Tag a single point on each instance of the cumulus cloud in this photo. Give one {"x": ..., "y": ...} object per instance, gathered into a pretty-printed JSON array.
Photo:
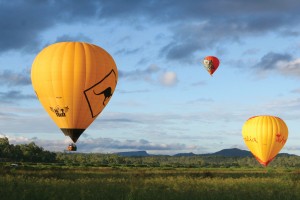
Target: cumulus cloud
[
  {"x": 177, "y": 10},
  {"x": 133, "y": 91},
  {"x": 286, "y": 107},
  {"x": 127, "y": 51},
  {"x": 199, "y": 83},
  {"x": 150, "y": 74},
  {"x": 291, "y": 68},
  {"x": 201, "y": 100},
  {"x": 140, "y": 74},
  {"x": 226, "y": 26},
  {"x": 11, "y": 78},
  {"x": 271, "y": 60},
  {"x": 281, "y": 63},
  {"x": 24, "y": 21},
  {"x": 296, "y": 90},
  {"x": 251, "y": 51},
  {"x": 16, "y": 140},
  {"x": 117, "y": 145},
  {"x": 102, "y": 145},
  {"x": 169, "y": 78},
  {"x": 50, "y": 145},
  {"x": 78, "y": 37},
  {"x": 14, "y": 95}
]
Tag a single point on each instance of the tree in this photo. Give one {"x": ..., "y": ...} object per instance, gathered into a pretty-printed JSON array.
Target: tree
[{"x": 4, "y": 147}]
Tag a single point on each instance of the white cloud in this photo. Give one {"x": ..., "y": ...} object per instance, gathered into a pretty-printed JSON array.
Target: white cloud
[
  {"x": 169, "y": 78},
  {"x": 296, "y": 90},
  {"x": 140, "y": 74},
  {"x": 104, "y": 145},
  {"x": 279, "y": 62},
  {"x": 289, "y": 68}
]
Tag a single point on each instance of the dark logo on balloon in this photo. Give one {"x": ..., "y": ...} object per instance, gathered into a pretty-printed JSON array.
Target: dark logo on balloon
[
  {"x": 60, "y": 112},
  {"x": 99, "y": 94},
  {"x": 250, "y": 139},
  {"x": 209, "y": 65},
  {"x": 280, "y": 138},
  {"x": 107, "y": 94}
]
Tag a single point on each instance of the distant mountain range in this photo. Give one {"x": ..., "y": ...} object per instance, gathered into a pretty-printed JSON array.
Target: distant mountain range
[
  {"x": 133, "y": 153},
  {"x": 234, "y": 152}
]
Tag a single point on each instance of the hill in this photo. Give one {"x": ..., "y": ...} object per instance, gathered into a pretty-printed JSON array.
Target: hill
[
  {"x": 234, "y": 152},
  {"x": 133, "y": 154},
  {"x": 225, "y": 152},
  {"x": 185, "y": 154}
]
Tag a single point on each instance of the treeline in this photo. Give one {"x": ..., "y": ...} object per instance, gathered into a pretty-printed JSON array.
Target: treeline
[
  {"x": 24, "y": 152},
  {"x": 93, "y": 159},
  {"x": 32, "y": 153}
]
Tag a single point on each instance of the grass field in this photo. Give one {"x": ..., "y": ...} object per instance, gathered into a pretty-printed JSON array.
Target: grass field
[{"x": 53, "y": 182}]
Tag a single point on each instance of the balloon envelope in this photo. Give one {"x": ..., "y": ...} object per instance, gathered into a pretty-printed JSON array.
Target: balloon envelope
[
  {"x": 211, "y": 63},
  {"x": 74, "y": 81},
  {"x": 265, "y": 136}
]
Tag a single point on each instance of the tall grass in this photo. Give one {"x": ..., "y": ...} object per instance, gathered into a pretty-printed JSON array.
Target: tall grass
[{"x": 147, "y": 184}]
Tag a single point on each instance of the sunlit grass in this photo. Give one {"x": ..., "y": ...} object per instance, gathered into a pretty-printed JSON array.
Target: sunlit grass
[{"x": 148, "y": 183}]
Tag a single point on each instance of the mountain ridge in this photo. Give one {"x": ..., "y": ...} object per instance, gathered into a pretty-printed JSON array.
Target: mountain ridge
[{"x": 232, "y": 152}]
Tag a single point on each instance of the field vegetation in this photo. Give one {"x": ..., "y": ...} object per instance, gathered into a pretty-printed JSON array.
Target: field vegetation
[
  {"x": 39, "y": 174},
  {"x": 67, "y": 182}
]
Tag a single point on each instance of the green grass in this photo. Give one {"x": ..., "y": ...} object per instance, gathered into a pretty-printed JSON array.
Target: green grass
[{"x": 53, "y": 182}]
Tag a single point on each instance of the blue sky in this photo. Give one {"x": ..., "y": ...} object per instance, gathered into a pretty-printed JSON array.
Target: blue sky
[{"x": 165, "y": 101}]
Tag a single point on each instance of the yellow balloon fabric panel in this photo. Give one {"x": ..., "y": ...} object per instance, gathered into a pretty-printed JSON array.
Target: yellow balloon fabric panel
[
  {"x": 265, "y": 136},
  {"x": 74, "y": 81}
]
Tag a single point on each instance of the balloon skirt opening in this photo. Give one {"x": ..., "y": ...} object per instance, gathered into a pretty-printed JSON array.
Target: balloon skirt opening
[
  {"x": 265, "y": 164},
  {"x": 73, "y": 133}
]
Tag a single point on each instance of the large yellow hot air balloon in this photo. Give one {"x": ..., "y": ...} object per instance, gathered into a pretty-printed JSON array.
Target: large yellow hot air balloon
[
  {"x": 265, "y": 136},
  {"x": 74, "y": 81}
]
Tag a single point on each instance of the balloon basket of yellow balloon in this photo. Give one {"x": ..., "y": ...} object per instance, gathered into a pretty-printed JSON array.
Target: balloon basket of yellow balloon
[{"x": 72, "y": 147}]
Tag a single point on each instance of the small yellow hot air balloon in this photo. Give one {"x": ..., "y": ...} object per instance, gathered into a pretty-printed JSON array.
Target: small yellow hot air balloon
[
  {"x": 74, "y": 81},
  {"x": 265, "y": 136}
]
